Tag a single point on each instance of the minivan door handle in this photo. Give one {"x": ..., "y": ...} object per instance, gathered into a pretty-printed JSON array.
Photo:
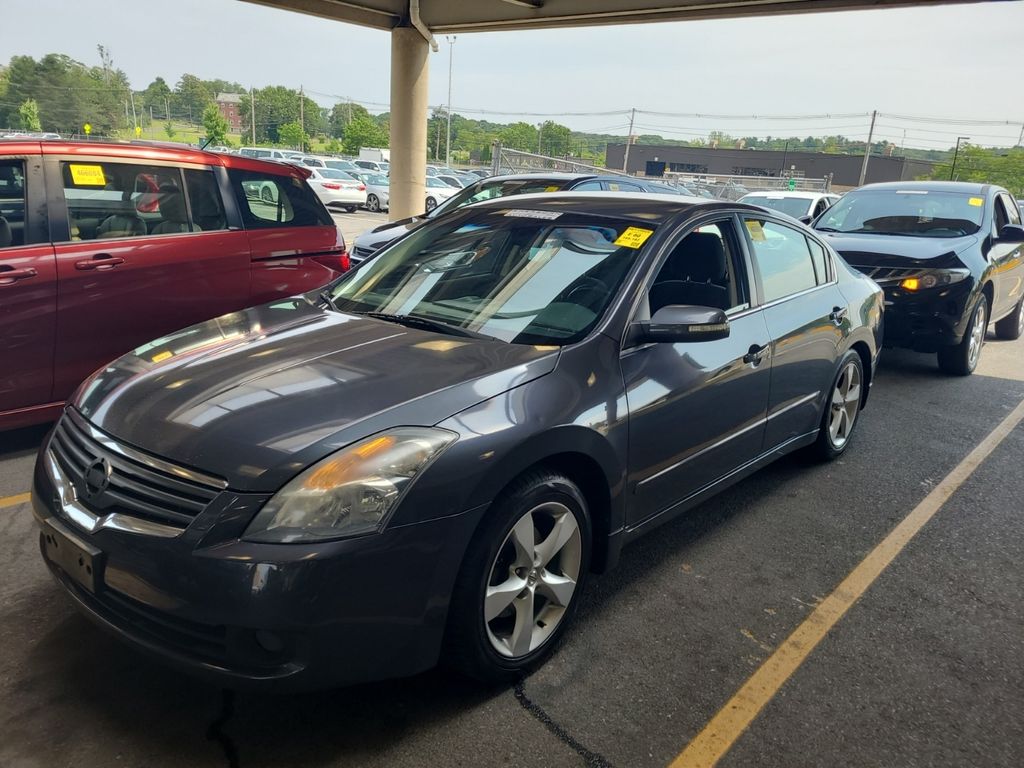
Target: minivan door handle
[
  {"x": 838, "y": 315},
  {"x": 10, "y": 275},
  {"x": 99, "y": 261},
  {"x": 755, "y": 354}
]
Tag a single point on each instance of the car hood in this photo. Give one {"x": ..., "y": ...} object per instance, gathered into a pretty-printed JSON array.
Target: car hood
[
  {"x": 380, "y": 236},
  {"x": 898, "y": 251},
  {"x": 257, "y": 395}
]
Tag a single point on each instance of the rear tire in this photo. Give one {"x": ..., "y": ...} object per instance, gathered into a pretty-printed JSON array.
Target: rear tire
[
  {"x": 431, "y": 204},
  {"x": 350, "y": 209},
  {"x": 1011, "y": 327},
  {"x": 842, "y": 409},
  {"x": 961, "y": 359},
  {"x": 519, "y": 585}
]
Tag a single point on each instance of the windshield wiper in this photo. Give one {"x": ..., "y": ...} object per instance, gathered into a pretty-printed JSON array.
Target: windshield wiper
[
  {"x": 427, "y": 324},
  {"x": 827, "y": 229},
  {"x": 329, "y": 300}
]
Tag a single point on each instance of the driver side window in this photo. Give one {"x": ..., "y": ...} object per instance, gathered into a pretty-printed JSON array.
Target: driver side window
[{"x": 703, "y": 269}]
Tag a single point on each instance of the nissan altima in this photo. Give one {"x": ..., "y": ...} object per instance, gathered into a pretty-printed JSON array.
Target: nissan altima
[{"x": 426, "y": 460}]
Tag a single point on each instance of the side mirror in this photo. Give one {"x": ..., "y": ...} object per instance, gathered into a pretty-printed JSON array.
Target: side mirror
[
  {"x": 1012, "y": 233},
  {"x": 806, "y": 219},
  {"x": 684, "y": 323}
]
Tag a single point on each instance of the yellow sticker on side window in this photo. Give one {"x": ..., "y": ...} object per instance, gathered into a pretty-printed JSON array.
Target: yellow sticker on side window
[
  {"x": 755, "y": 230},
  {"x": 977, "y": 202},
  {"x": 87, "y": 175},
  {"x": 552, "y": 189},
  {"x": 633, "y": 237}
]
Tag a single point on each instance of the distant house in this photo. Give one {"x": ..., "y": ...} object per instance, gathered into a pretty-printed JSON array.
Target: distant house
[{"x": 228, "y": 104}]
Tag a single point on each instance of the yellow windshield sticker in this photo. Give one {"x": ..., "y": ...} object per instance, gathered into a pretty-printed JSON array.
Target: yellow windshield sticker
[
  {"x": 161, "y": 356},
  {"x": 552, "y": 188},
  {"x": 634, "y": 237},
  {"x": 977, "y": 202},
  {"x": 756, "y": 232},
  {"x": 87, "y": 175}
]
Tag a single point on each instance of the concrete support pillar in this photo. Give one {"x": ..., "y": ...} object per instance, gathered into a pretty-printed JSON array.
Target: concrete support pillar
[{"x": 409, "y": 70}]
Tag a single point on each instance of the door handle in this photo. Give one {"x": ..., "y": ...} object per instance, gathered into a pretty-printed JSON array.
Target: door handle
[
  {"x": 755, "y": 354},
  {"x": 99, "y": 261},
  {"x": 10, "y": 275},
  {"x": 838, "y": 315}
]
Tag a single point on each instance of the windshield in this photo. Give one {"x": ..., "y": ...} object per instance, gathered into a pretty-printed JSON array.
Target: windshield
[
  {"x": 791, "y": 206},
  {"x": 330, "y": 173},
  {"x": 377, "y": 179},
  {"x": 914, "y": 213},
  {"x": 522, "y": 276},
  {"x": 340, "y": 165},
  {"x": 489, "y": 189},
  {"x": 433, "y": 181}
]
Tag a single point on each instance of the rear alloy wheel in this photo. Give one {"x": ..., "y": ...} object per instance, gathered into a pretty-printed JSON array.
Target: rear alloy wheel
[
  {"x": 372, "y": 204},
  {"x": 518, "y": 588},
  {"x": 431, "y": 204},
  {"x": 962, "y": 359},
  {"x": 1012, "y": 326},
  {"x": 267, "y": 194},
  {"x": 841, "y": 409}
]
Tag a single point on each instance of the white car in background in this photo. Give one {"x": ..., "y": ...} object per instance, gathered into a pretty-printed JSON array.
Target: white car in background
[
  {"x": 326, "y": 161},
  {"x": 438, "y": 192},
  {"x": 377, "y": 195},
  {"x": 802, "y": 206},
  {"x": 337, "y": 189}
]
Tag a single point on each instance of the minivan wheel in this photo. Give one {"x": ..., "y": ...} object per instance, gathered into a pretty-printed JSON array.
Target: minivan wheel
[
  {"x": 372, "y": 203},
  {"x": 519, "y": 584},
  {"x": 1012, "y": 326},
  {"x": 841, "y": 409},
  {"x": 266, "y": 195},
  {"x": 961, "y": 359}
]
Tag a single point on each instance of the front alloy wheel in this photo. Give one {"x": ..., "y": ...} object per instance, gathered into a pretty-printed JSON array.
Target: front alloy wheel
[
  {"x": 372, "y": 204},
  {"x": 962, "y": 359}
]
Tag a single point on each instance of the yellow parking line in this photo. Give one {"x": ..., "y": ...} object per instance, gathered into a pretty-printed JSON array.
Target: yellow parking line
[
  {"x": 10, "y": 501},
  {"x": 718, "y": 736}
]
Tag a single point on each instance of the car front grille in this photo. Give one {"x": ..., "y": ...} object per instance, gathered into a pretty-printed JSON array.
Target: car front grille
[
  {"x": 887, "y": 274},
  {"x": 137, "y": 485},
  {"x": 361, "y": 254}
]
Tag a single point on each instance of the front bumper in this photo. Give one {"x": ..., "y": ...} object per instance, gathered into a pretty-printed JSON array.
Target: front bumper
[
  {"x": 930, "y": 319},
  {"x": 246, "y": 615}
]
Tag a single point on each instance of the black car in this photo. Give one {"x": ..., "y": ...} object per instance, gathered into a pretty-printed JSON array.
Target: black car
[
  {"x": 427, "y": 459},
  {"x": 501, "y": 186},
  {"x": 950, "y": 256}
]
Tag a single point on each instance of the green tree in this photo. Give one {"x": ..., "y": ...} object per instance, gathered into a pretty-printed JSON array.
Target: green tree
[
  {"x": 191, "y": 97},
  {"x": 29, "y": 114},
  {"x": 292, "y": 135},
  {"x": 363, "y": 132},
  {"x": 341, "y": 115},
  {"x": 169, "y": 130},
  {"x": 521, "y": 136},
  {"x": 156, "y": 96},
  {"x": 1004, "y": 167},
  {"x": 215, "y": 124},
  {"x": 555, "y": 139},
  {"x": 276, "y": 106}
]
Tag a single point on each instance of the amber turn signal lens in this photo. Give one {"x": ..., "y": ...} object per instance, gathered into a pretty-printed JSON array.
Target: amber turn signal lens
[{"x": 910, "y": 284}]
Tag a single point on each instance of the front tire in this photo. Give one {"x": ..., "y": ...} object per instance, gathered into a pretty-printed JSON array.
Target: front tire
[
  {"x": 520, "y": 582},
  {"x": 373, "y": 204},
  {"x": 1011, "y": 327},
  {"x": 961, "y": 359},
  {"x": 350, "y": 209},
  {"x": 841, "y": 409}
]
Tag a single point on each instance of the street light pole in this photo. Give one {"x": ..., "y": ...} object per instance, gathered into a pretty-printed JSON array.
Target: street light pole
[
  {"x": 540, "y": 135},
  {"x": 448, "y": 139},
  {"x": 955, "y": 153}
]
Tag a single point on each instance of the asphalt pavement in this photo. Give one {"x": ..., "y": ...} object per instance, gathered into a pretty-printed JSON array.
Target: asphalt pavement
[{"x": 926, "y": 668}]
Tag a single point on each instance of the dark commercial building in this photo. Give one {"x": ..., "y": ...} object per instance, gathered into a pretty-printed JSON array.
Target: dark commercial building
[{"x": 657, "y": 160}]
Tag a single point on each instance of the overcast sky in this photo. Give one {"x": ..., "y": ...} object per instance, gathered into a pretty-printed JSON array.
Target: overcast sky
[{"x": 959, "y": 61}]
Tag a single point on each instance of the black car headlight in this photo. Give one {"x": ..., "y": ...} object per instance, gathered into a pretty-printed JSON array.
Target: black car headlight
[
  {"x": 933, "y": 278},
  {"x": 351, "y": 492}
]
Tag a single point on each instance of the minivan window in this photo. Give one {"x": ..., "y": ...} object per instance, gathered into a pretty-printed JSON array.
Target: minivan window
[
  {"x": 204, "y": 197},
  {"x": 269, "y": 200},
  {"x": 12, "y": 203},
  {"x": 522, "y": 276},
  {"x": 783, "y": 258}
]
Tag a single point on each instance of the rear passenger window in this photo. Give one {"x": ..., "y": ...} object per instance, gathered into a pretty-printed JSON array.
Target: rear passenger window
[
  {"x": 204, "y": 198},
  {"x": 267, "y": 200},
  {"x": 12, "y": 204},
  {"x": 118, "y": 200},
  {"x": 820, "y": 261},
  {"x": 783, "y": 259}
]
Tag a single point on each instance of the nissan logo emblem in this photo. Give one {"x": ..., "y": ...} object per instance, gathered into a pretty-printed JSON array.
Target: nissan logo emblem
[{"x": 96, "y": 478}]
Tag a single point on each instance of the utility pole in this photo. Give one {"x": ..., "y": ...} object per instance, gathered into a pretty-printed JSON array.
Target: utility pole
[
  {"x": 167, "y": 109},
  {"x": 448, "y": 136},
  {"x": 867, "y": 150},
  {"x": 629, "y": 140},
  {"x": 540, "y": 135},
  {"x": 956, "y": 152},
  {"x": 785, "y": 156},
  {"x": 302, "y": 113},
  {"x": 1020, "y": 139},
  {"x": 252, "y": 114},
  {"x": 135, "y": 117}
]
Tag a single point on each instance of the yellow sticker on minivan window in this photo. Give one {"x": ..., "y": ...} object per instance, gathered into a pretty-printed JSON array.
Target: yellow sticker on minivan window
[
  {"x": 553, "y": 188},
  {"x": 633, "y": 237},
  {"x": 756, "y": 231},
  {"x": 977, "y": 202},
  {"x": 87, "y": 175}
]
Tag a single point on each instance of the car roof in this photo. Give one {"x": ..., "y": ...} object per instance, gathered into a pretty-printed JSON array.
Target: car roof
[
  {"x": 967, "y": 187},
  {"x": 798, "y": 194},
  {"x": 650, "y": 207},
  {"x": 149, "y": 150}
]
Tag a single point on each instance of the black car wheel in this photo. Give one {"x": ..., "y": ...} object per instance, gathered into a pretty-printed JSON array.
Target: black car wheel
[
  {"x": 267, "y": 194},
  {"x": 961, "y": 359},
  {"x": 350, "y": 209},
  {"x": 431, "y": 204},
  {"x": 1012, "y": 326},
  {"x": 519, "y": 585},
  {"x": 842, "y": 407},
  {"x": 372, "y": 203}
]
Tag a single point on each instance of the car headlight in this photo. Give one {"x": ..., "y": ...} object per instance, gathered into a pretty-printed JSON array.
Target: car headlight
[
  {"x": 935, "y": 278},
  {"x": 351, "y": 492}
]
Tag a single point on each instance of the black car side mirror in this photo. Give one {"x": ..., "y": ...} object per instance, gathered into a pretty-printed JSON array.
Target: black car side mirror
[
  {"x": 1011, "y": 233},
  {"x": 682, "y": 322},
  {"x": 806, "y": 219}
]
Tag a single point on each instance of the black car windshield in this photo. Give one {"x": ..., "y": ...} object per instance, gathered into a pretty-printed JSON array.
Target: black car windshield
[
  {"x": 522, "y": 276},
  {"x": 913, "y": 213},
  {"x": 791, "y": 206},
  {"x": 488, "y": 189}
]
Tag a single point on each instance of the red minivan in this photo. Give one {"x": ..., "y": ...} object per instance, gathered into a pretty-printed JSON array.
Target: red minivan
[{"x": 106, "y": 246}]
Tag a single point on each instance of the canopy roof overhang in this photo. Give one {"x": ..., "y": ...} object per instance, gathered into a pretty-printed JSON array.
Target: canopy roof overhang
[{"x": 447, "y": 16}]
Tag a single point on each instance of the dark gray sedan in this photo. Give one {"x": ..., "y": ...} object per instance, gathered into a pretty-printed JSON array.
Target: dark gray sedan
[{"x": 426, "y": 460}]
